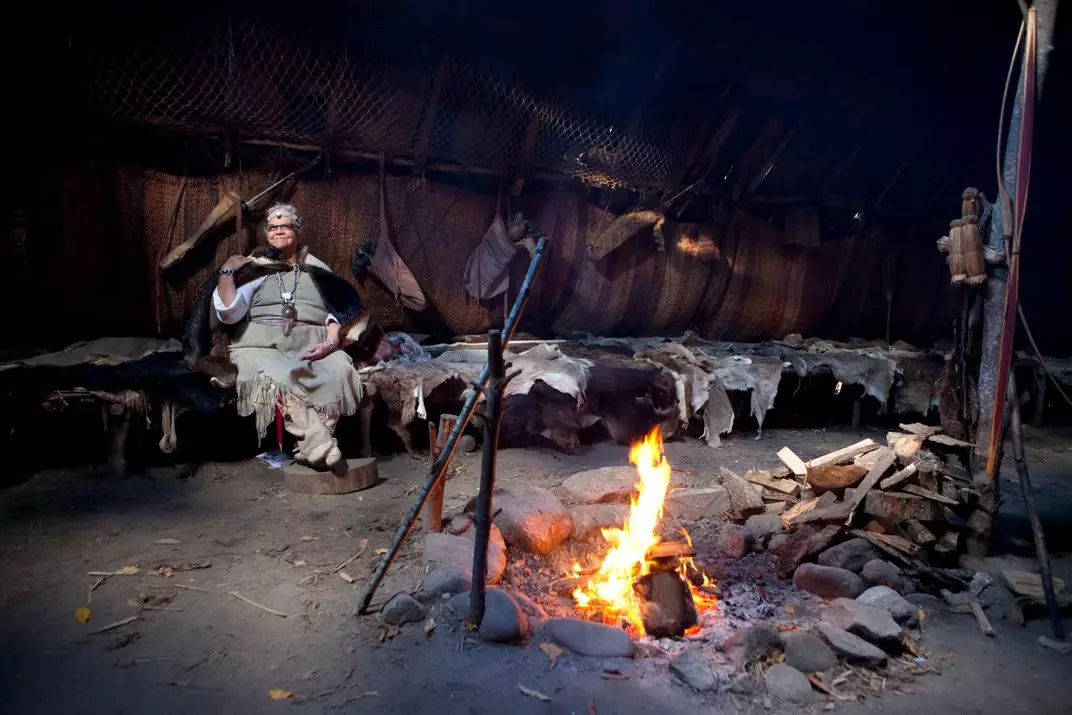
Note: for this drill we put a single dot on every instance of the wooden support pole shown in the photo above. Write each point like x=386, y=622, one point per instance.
x=1032, y=513
x=492, y=419
x=459, y=426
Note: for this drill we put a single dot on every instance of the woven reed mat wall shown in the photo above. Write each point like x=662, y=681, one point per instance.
x=99, y=231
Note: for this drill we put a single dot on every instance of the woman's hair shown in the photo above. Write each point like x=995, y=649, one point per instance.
x=279, y=211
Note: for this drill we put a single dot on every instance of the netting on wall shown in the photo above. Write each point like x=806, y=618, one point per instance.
x=265, y=83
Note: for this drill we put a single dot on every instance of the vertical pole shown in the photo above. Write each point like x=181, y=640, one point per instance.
x=492, y=414
x=432, y=514
x=1017, y=428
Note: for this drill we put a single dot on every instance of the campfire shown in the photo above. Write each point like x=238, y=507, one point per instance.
x=649, y=586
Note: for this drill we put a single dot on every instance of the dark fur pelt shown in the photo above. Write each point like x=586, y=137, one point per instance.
x=206, y=340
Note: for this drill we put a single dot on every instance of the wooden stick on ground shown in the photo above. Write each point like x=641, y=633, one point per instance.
x=113, y=626
x=240, y=597
x=980, y=616
x=357, y=554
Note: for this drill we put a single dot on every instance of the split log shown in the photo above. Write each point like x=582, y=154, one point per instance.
x=875, y=527
x=929, y=481
x=763, y=479
x=349, y=475
x=919, y=533
x=920, y=430
x=947, y=543
x=824, y=479
x=884, y=462
x=804, y=507
x=746, y=498
x=906, y=447
x=947, y=441
x=835, y=512
x=899, y=477
x=791, y=460
x=671, y=549
x=780, y=472
x=926, y=494
x=666, y=605
x=896, y=542
x=898, y=507
x=845, y=454
x=867, y=460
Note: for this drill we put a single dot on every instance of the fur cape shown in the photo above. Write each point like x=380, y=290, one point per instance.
x=206, y=340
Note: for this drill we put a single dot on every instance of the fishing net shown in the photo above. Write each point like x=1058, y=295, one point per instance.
x=272, y=85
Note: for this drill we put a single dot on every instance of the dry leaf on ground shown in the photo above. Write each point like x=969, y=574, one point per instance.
x=533, y=693
x=279, y=694
x=552, y=651
x=82, y=615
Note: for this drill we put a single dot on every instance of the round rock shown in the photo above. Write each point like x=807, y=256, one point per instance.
x=590, y=638
x=402, y=608
x=828, y=581
x=467, y=443
x=877, y=572
x=504, y=621
x=807, y=653
x=447, y=581
x=789, y=684
x=531, y=518
x=850, y=555
x=751, y=644
x=892, y=603
x=691, y=668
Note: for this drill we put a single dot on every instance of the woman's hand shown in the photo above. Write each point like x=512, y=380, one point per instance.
x=235, y=262
x=319, y=351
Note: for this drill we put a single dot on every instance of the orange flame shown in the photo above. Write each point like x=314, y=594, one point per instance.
x=611, y=588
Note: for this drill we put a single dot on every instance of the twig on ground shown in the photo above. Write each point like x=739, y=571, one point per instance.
x=178, y=585
x=159, y=608
x=240, y=597
x=94, y=587
x=112, y=626
x=357, y=554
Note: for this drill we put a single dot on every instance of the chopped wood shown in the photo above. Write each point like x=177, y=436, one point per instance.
x=780, y=472
x=112, y=626
x=892, y=437
x=922, y=431
x=763, y=479
x=791, y=460
x=875, y=527
x=804, y=507
x=900, y=476
x=834, y=512
x=671, y=549
x=824, y=539
x=900, y=543
x=745, y=497
x=867, y=460
x=843, y=455
x=884, y=462
x=919, y=533
x=1024, y=583
x=897, y=507
x=824, y=479
x=977, y=611
x=929, y=481
x=927, y=494
x=907, y=446
x=947, y=441
x=240, y=597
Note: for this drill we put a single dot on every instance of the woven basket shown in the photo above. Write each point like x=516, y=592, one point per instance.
x=956, y=252
x=973, y=251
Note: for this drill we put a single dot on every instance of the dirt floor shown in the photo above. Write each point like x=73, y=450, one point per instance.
x=206, y=651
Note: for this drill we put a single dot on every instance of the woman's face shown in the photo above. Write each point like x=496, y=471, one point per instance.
x=281, y=235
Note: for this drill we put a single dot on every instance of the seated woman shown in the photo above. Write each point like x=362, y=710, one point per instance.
x=285, y=340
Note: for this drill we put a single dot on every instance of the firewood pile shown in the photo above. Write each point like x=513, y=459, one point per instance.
x=910, y=498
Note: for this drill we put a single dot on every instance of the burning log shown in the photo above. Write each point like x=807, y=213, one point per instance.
x=666, y=604
x=670, y=550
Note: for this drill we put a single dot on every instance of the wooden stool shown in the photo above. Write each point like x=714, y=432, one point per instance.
x=350, y=475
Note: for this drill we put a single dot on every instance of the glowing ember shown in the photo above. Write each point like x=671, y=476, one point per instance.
x=611, y=588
